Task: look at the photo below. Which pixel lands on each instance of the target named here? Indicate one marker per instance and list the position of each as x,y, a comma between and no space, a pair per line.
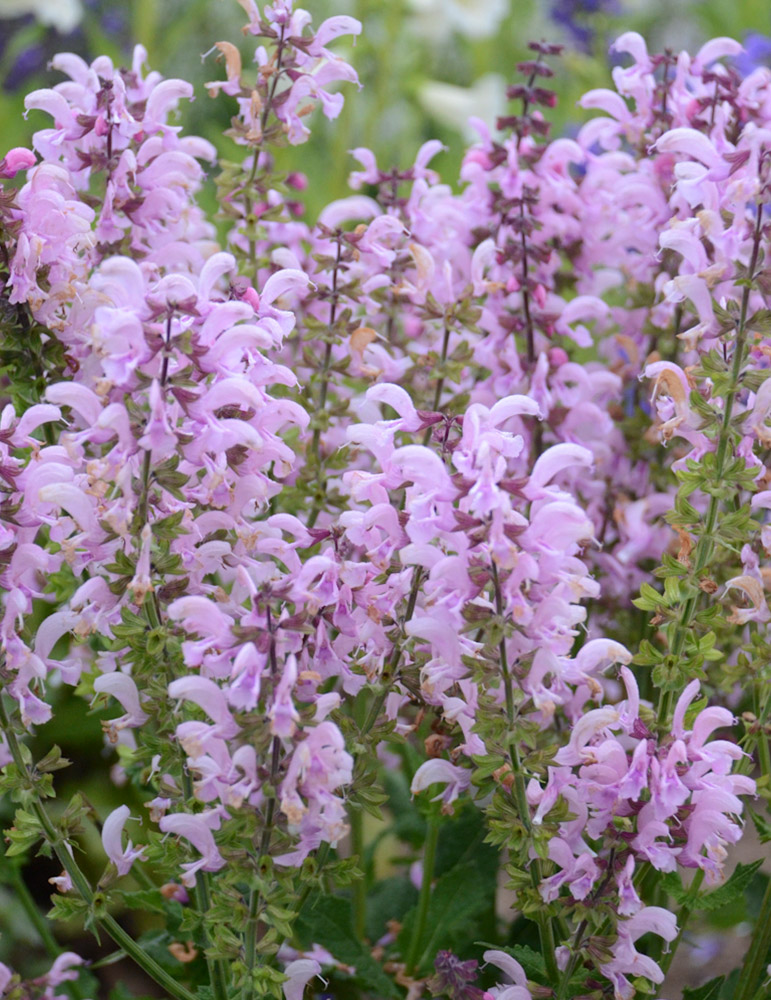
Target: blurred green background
425,65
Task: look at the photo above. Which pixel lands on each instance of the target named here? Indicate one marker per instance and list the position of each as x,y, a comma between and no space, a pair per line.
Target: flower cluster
372,504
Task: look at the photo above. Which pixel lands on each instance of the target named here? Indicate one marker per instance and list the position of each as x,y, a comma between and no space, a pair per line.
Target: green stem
578,939
356,818
216,967
440,380
704,546
218,977
80,882
255,895
39,922
683,916
324,390
310,885
429,862
248,204
545,928
567,975
144,496
764,756
755,961
390,671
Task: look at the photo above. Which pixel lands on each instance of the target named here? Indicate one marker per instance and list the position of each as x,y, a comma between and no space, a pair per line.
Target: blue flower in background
757,52
30,61
61,27
575,17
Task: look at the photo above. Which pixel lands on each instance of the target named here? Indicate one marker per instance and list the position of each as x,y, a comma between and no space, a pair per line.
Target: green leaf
24,833
729,987
485,766
149,900
457,900
156,944
733,888
408,825
67,908
709,991
672,884
760,321
387,900
761,825
326,920
168,528
649,598
648,656
700,404
53,761
672,591
531,961
462,841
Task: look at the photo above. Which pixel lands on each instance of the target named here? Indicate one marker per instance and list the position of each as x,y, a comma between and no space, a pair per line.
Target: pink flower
6,975
123,688
197,828
211,698
299,973
513,971
16,159
626,958
112,835
441,772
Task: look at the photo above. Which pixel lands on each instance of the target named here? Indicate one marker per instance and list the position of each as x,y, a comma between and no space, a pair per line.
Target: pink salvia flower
112,835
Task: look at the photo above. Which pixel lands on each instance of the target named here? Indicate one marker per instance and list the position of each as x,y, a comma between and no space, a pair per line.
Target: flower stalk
79,880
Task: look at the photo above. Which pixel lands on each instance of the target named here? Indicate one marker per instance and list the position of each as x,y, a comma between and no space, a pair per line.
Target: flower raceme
392,479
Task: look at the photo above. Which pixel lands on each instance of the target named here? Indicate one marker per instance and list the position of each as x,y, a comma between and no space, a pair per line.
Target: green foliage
733,889
716,899
457,900
389,899
462,840
24,833
761,824
123,992
327,920
709,991
68,907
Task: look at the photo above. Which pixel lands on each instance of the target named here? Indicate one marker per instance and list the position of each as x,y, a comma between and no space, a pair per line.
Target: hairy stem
248,203
755,960
16,879
545,929
683,916
324,390
429,861
764,756
81,883
578,939
390,671
704,546
255,896
356,817
218,977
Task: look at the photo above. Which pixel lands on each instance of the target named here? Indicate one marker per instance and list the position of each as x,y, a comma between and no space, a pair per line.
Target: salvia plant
403,555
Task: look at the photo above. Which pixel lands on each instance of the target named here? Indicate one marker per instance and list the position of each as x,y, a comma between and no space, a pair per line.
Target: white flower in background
64,15
473,18
453,106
